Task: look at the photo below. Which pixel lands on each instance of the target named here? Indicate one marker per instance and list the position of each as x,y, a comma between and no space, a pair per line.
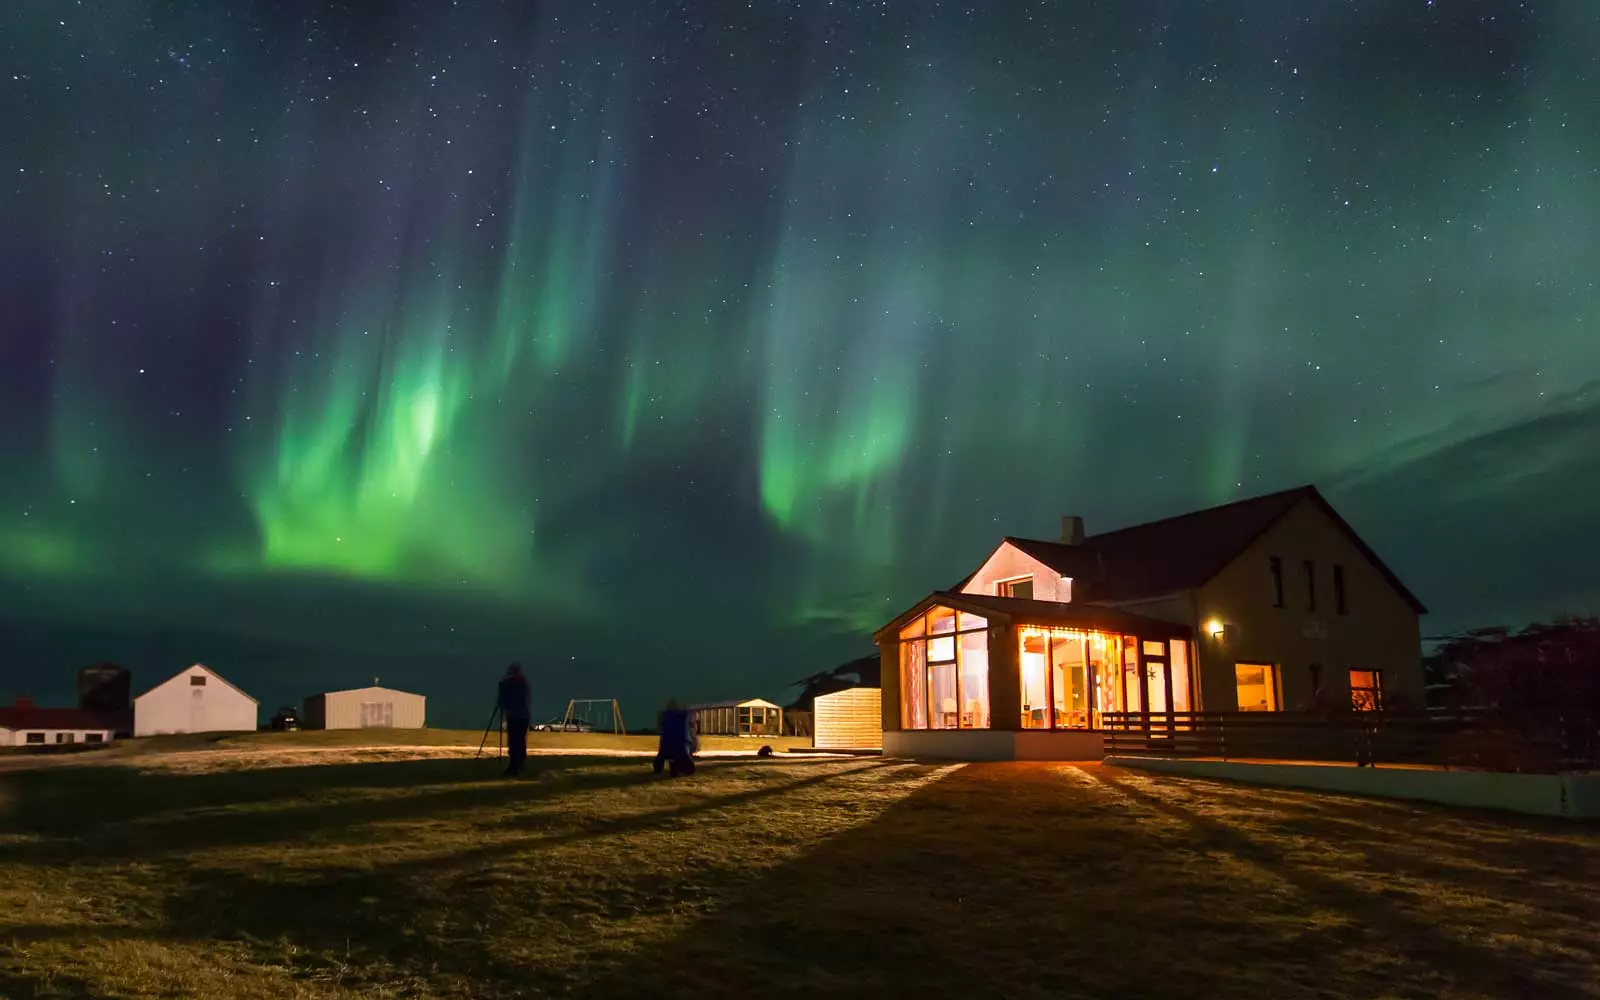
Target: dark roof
29,717
1178,553
1025,612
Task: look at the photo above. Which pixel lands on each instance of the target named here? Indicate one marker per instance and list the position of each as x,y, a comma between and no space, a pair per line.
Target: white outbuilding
365,708
195,700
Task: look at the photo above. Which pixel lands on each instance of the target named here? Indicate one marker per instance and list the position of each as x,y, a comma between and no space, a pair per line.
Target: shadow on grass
117,814
1024,881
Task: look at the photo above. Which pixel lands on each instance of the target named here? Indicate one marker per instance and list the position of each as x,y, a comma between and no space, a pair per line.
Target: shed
851,719
365,708
194,700
753,717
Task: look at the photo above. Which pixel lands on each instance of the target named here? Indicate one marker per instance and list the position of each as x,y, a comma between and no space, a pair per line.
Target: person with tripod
515,707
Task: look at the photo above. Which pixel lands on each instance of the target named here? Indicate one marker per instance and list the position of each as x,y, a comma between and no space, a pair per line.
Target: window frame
1274,685
1341,604
1375,703
1275,566
961,627
1004,588
1310,566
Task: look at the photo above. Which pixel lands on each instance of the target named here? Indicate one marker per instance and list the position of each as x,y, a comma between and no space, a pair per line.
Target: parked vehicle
286,721
563,726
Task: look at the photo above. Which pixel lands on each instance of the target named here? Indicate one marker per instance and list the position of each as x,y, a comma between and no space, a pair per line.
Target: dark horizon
670,353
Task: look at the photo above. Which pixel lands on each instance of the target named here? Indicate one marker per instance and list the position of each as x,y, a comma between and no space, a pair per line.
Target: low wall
1571,796
993,744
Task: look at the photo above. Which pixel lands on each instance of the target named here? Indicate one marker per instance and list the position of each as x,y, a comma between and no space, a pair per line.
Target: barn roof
17,717
370,687
185,670
1179,553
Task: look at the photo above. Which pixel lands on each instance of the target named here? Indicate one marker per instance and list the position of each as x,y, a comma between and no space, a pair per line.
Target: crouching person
676,750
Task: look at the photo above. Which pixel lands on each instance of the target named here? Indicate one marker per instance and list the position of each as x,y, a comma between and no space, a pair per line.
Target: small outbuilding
25,725
754,717
194,700
851,719
365,708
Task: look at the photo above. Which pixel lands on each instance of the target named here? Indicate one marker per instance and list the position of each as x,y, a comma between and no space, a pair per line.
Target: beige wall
1009,562
847,720
343,709
889,683
1381,630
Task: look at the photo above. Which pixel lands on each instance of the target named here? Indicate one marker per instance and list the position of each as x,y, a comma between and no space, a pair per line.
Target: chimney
1071,530
23,702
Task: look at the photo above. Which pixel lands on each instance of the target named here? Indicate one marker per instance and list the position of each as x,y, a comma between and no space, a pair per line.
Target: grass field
145,875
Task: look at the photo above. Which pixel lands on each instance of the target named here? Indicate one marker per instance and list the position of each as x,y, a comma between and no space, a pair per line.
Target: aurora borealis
668,348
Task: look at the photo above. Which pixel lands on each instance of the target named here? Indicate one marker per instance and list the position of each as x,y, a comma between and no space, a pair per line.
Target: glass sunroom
979,677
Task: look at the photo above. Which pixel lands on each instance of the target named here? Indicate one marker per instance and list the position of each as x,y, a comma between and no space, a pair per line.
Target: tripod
499,742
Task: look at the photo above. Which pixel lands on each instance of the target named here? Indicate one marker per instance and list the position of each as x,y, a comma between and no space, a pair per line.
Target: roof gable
192,667
1179,553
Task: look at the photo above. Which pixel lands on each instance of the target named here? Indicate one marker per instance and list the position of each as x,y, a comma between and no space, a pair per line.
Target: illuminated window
1180,676
1339,604
1035,679
944,671
1021,587
1256,685
1276,565
1366,690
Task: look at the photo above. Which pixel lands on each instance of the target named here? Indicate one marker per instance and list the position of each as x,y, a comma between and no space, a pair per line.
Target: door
1157,679
377,714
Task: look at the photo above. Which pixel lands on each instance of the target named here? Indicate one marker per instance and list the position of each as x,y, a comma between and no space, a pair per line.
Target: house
24,725
753,717
1267,604
365,708
195,700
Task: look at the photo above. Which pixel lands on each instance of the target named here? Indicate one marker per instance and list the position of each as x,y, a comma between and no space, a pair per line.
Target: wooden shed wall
851,719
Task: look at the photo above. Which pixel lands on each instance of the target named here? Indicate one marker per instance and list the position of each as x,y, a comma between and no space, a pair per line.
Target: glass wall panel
1104,652
914,627
1132,690
967,622
942,695
914,685
975,680
1035,680
1180,676
941,620
1156,648
1155,690
1069,680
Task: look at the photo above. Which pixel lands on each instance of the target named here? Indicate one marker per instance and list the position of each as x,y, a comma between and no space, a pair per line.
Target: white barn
195,700
365,708
23,725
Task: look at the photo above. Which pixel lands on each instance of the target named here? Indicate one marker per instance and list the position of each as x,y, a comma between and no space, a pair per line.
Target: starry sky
671,348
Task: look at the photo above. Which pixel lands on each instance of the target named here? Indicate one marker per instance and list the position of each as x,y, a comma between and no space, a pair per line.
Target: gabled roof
1021,611
748,702
185,671
369,687
1178,553
28,717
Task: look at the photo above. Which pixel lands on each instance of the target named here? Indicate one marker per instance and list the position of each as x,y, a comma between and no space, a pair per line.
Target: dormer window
1020,587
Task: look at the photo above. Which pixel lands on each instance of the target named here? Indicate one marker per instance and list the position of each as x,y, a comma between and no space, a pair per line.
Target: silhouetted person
515,708
675,751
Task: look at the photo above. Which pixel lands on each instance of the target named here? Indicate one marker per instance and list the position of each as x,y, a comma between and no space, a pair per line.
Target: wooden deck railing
1466,739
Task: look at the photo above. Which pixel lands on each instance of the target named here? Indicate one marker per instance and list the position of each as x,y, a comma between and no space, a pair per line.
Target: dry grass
433,878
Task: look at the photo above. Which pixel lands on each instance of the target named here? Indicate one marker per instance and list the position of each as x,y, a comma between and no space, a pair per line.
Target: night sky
671,347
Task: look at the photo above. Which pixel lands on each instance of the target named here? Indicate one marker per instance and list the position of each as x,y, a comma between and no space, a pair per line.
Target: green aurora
554,322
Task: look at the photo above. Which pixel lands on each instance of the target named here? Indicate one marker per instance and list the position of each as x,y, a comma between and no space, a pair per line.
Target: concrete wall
1381,631
180,706
1009,562
991,744
343,709
19,737
1575,796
